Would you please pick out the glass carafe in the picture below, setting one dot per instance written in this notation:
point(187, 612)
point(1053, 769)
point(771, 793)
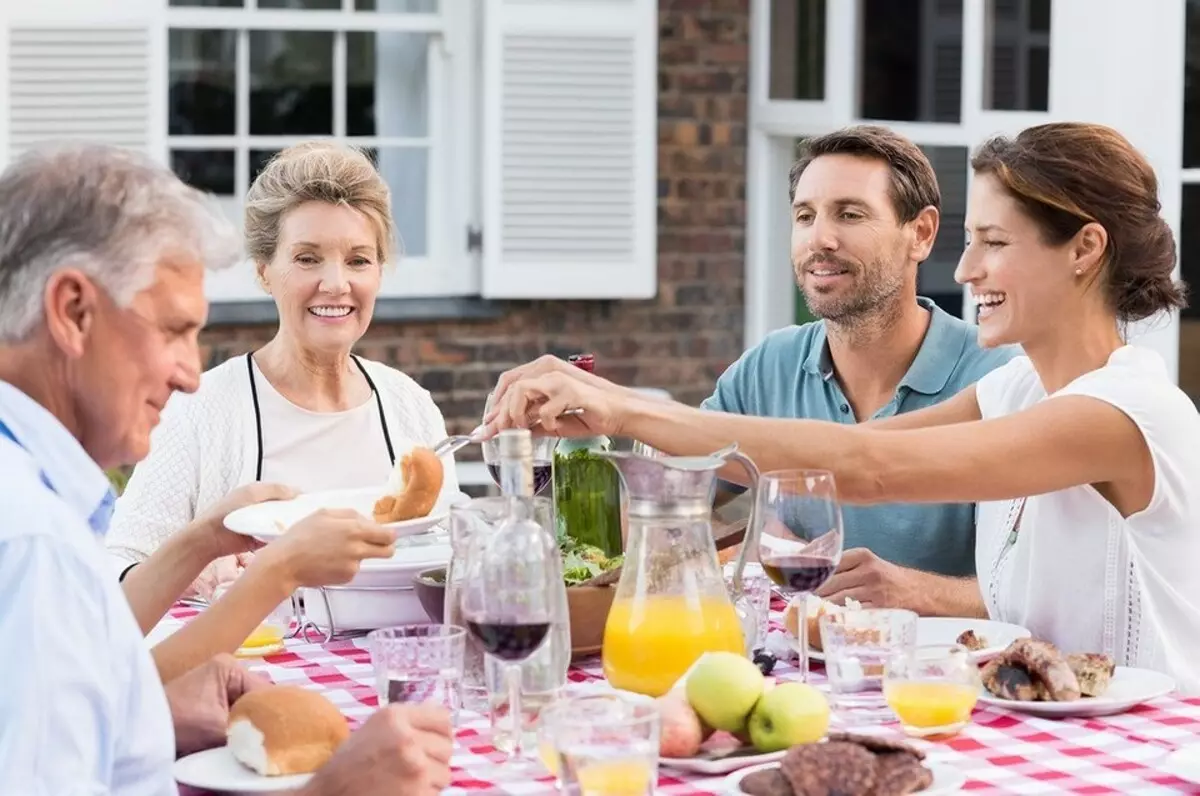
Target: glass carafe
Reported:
point(672, 603)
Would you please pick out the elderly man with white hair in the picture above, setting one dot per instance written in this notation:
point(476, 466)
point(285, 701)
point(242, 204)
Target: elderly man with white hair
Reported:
point(102, 261)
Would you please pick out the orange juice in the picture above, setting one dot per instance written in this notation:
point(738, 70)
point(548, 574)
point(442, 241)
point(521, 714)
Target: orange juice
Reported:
point(630, 777)
point(930, 704)
point(650, 642)
point(265, 635)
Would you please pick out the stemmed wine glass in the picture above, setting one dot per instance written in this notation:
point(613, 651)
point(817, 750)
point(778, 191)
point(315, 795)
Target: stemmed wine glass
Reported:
point(512, 601)
point(543, 455)
point(799, 535)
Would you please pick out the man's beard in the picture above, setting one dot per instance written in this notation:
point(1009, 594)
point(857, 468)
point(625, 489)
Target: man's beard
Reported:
point(875, 289)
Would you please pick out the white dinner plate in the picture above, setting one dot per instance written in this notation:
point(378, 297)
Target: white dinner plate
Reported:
point(946, 779)
point(218, 770)
point(1129, 688)
point(270, 520)
point(720, 761)
point(932, 631)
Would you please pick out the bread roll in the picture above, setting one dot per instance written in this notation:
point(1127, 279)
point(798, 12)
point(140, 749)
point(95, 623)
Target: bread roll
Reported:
point(284, 729)
point(814, 610)
point(421, 475)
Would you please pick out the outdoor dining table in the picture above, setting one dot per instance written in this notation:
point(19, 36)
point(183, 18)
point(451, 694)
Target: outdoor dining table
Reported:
point(1001, 751)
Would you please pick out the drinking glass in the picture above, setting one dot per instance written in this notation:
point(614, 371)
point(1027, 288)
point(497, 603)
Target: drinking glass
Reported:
point(756, 587)
point(418, 663)
point(512, 600)
point(932, 689)
point(543, 455)
point(799, 533)
point(606, 743)
point(857, 646)
point(268, 637)
point(470, 522)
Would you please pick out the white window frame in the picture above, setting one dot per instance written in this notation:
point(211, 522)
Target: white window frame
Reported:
point(1085, 83)
point(776, 123)
point(450, 267)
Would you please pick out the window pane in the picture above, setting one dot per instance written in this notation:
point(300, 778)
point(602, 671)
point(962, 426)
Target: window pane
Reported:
point(201, 73)
point(1189, 267)
point(911, 60)
point(398, 6)
point(406, 171)
point(258, 159)
point(797, 50)
point(1189, 246)
point(303, 5)
point(388, 84)
point(291, 82)
point(209, 170)
point(1018, 56)
point(1191, 89)
point(208, 3)
point(935, 277)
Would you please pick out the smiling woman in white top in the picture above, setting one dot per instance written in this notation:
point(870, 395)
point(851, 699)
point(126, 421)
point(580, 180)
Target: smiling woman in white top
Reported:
point(301, 411)
point(1084, 455)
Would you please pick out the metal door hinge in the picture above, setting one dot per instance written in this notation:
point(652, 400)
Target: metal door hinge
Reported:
point(474, 239)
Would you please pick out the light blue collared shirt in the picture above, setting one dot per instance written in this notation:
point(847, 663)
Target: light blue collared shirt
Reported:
point(790, 374)
point(82, 709)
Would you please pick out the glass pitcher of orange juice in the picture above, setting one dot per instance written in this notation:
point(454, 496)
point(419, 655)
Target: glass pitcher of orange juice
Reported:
point(672, 604)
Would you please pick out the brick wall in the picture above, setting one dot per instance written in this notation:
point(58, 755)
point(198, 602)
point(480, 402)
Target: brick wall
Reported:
point(681, 340)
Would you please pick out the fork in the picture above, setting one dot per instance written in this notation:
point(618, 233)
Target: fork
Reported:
point(457, 442)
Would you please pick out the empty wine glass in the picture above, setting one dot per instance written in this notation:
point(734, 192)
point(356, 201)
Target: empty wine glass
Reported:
point(543, 455)
point(513, 599)
point(799, 523)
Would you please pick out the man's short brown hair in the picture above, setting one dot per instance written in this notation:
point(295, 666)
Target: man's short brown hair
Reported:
point(914, 185)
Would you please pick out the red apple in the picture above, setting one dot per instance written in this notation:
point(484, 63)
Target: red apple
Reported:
point(680, 733)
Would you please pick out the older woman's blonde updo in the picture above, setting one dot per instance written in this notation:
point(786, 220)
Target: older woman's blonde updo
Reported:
point(316, 171)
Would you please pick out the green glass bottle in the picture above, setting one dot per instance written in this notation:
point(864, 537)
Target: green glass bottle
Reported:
point(587, 488)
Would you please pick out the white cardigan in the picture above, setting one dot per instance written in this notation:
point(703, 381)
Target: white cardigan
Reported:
point(205, 447)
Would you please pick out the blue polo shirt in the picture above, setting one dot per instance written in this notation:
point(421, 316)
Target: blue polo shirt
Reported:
point(790, 374)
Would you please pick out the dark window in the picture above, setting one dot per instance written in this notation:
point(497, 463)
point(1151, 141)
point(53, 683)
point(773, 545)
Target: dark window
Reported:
point(202, 77)
point(797, 50)
point(935, 277)
point(1191, 88)
point(398, 6)
point(399, 60)
point(1018, 56)
point(209, 170)
point(291, 82)
point(911, 60)
point(1189, 246)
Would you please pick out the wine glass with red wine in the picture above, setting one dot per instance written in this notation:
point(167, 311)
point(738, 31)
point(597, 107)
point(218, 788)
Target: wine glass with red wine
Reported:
point(512, 602)
point(543, 455)
point(799, 521)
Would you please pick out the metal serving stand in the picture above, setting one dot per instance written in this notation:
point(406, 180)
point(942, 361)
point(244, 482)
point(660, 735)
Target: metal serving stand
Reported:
point(306, 627)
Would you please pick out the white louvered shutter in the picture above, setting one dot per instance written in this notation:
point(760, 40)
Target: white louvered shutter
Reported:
point(77, 75)
point(570, 139)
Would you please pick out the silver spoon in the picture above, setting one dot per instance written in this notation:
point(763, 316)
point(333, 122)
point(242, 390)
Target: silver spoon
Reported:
point(457, 442)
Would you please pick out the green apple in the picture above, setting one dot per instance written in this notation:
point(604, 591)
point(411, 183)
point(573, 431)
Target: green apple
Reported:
point(723, 688)
point(788, 715)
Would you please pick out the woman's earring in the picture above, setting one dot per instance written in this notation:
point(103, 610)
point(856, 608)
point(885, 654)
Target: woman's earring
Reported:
point(1078, 272)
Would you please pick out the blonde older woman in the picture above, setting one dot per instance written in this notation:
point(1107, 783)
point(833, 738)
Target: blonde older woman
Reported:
point(1084, 455)
point(302, 411)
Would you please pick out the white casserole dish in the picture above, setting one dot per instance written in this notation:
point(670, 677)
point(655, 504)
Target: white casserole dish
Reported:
point(381, 594)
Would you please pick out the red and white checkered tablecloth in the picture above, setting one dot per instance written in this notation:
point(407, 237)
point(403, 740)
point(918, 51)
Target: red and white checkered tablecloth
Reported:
point(1000, 751)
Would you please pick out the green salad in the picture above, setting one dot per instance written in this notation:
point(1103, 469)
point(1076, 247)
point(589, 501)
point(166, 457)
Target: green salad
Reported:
point(582, 562)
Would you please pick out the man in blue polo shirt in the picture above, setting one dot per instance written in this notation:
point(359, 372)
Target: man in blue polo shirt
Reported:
point(865, 213)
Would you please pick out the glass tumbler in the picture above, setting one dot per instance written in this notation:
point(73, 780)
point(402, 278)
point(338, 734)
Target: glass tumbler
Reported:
point(932, 689)
point(857, 646)
point(605, 743)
